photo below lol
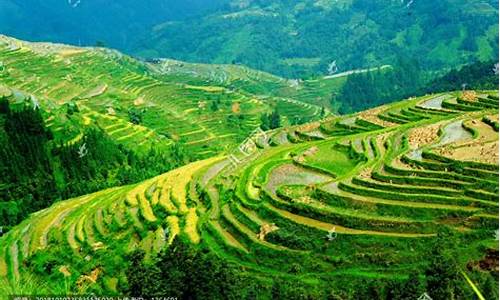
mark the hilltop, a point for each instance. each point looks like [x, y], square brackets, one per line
[353, 207]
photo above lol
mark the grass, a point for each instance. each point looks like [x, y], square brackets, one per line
[334, 161]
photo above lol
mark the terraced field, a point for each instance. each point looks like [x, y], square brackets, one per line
[344, 200]
[186, 104]
[313, 91]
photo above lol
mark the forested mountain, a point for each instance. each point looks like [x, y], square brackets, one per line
[85, 22]
[478, 75]
[249, 149]
[297, 38]
[289, 38]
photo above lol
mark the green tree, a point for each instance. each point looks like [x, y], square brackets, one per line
[135, 116]
[264, 122]
[444, 279]
[184, 272]
[274, 119]
[214, 106]
[409, 289]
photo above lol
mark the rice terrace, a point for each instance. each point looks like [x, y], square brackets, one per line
[127, 175]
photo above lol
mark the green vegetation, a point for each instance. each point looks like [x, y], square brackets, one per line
[155, 278]
[365, 90]
[335, 160]
[270, 121]
[346, 208]
[143, 104]
[293, 39]
[208, 179]
[479, 76]
[300, 39]
[38, 171]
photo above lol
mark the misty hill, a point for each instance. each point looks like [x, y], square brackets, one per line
[289, 38]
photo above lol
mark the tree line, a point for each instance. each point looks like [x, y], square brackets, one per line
[406, 79]
[188, 272]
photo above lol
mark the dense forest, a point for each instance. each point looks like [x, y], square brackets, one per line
[294, 39]
[369, 89]
[95, 22]
[407, 79]
[476, 76]
[300, 39]
[36, 172]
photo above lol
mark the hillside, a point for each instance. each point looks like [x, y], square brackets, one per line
[348, 208]
[293, 39]
[318, 91]
[296, 39]
[77, 120]
[140, 104]
[84, 22]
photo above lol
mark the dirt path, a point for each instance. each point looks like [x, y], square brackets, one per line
[434, 103]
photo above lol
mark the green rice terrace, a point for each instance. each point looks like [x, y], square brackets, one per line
[140, 104]
[331, 204]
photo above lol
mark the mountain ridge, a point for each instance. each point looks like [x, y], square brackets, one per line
[290, 39]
